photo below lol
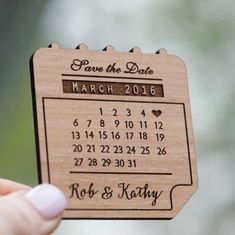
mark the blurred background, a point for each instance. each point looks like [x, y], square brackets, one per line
[201, 32]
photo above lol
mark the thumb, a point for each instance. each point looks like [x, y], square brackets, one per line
[34, 212]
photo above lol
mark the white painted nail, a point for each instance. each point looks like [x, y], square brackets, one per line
[48, 200]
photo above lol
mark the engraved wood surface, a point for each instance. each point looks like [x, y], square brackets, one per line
[114, 131]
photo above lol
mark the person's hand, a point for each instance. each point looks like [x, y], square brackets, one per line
[26, 211]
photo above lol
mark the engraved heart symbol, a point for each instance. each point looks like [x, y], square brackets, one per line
[156, 113]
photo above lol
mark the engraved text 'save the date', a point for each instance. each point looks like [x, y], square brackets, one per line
[130, 68]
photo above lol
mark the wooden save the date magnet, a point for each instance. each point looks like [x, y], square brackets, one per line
[114, 131]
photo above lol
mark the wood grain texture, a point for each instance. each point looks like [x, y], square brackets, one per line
[114, 131]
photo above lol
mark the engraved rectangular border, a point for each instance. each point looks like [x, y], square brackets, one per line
[114, 209]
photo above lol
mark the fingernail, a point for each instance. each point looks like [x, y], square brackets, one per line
[48, 200]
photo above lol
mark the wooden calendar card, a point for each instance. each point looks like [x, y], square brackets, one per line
[114, 131]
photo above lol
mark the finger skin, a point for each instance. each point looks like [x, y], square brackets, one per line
[8, 186]
[18, 217]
